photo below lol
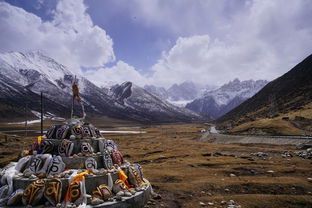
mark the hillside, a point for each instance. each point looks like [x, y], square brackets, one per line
[286, 98]
[23, 76]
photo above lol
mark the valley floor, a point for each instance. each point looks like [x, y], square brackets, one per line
[190, 172]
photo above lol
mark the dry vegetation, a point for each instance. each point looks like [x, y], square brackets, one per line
[283, 124]
[186, 171]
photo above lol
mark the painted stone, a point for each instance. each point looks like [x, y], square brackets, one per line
[33, 193]
[61, 132]
[117, 157]
[139, 169]
[39, 163]
[90, 163]
[86, 148]
[51, 131]
[22, 163]
[53, 191]
[75, 192]
[4, 191]
[134, 177]
[107, 160]
[86, 131]
[15, 198]
[110, 145]
[102, 192]
[119, 185]
[56, 166]
[77, 131]
[97, 133]
[101, 145]
[65, 148]
[46, 147]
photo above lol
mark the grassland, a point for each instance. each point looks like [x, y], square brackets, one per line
[282, 124]
[187, 171]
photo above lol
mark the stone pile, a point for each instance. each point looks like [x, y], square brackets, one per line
[73, 165]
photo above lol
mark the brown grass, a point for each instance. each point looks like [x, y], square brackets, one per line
[186, 171]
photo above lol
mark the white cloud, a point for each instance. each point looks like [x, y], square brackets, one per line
[263, 41]
[217, 41]
[70, 38]
[118, 73]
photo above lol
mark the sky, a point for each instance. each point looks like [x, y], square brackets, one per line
[161, 42]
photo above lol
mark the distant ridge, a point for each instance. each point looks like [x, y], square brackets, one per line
[288, 93]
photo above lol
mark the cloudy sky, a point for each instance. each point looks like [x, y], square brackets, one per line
[163, 42]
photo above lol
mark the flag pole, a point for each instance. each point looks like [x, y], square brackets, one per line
[41, 108]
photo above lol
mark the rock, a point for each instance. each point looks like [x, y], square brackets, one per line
[232, 175]
[157, 196]
[118, 198]
[231, 202]
[202, 204]
[27, 173]
[120, 193]
[127, 194]
[96, 201]
[223, 202]
[32, 176]
[227, 190]
[262, 155]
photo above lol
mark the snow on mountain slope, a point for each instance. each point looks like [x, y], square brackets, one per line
[146, 104]
[217, 102]
[34, 72]
[26, 63]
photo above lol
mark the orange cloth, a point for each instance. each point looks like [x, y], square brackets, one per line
[123, 177]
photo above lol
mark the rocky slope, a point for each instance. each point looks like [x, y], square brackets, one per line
[287, 96]
[216, 103]
[24, 75]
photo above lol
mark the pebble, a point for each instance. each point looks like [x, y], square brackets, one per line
[227, 190]
[231, 202]
[223, 202]
[127, 194]
[309, 179]
[210, 203]
[120, 193]
[96, 201]
[232, 175]
[118, 198]
[202, 204]
[270, 171]
[32, 176]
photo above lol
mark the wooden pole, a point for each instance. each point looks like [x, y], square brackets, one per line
[41, 108]
[26, 126]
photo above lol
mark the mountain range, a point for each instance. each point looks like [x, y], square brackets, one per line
[218, 102]
[23, 76]
[179, 94]
[283, 106]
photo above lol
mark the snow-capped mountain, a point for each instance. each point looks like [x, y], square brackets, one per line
[138, 99]
[24, 75]
[179, 94]
[216, 103]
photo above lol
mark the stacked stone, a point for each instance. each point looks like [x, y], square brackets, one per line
[73, 165]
